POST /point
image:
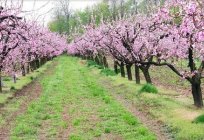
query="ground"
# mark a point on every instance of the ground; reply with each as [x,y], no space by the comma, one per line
[75,102]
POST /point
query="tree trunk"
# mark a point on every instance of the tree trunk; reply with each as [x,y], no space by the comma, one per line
[137,74]
[196,91]
[23,70]
[145,71]
[37,63]
[105,62]
[116,67]
[33,65]
[28,68]
[100,58]
[122,69]
[43,60]
[97,60]
[129,72]
[0,82]
[14,78]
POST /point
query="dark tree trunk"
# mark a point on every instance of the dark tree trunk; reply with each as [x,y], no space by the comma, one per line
[129,72]
[48,58]
[116,66]
[91,57]
[37,63]
[23,70]
[105,62]
[122,69]
[28,68]
[33,66]
[145,71]
[0,82]
[137,74]
[100,58]
[41,62]
[14,78]
[97,60]
[196,91]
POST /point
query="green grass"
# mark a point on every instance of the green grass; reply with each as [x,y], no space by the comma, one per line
[10,87]
[148,88]
[108,72]
[91,63]
[176,112]
[92,112]
[82,100]
[199,119]
[13,105]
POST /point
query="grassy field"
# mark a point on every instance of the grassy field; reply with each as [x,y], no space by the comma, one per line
[73,105]
[10,87]
[76,102]
[174,110]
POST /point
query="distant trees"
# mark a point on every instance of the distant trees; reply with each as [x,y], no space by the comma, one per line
[68,21]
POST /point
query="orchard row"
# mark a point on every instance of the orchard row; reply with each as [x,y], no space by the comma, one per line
[173,34]
[24,45]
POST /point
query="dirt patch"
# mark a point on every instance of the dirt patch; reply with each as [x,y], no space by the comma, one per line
[109,137]
[187,115]
[30,92]
[153,125]
[65,132]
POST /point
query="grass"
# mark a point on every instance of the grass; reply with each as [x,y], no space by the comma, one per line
[73,98]
[175,111]
[10,87]
[148,88]
[108,72]
[199,119]
[80,101]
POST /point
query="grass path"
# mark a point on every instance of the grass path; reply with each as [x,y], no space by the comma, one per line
[73,105]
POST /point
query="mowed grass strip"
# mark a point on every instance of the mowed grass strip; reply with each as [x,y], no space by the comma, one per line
[91,112]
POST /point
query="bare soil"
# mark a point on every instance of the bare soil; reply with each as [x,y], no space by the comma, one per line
[30,92]
[157,127]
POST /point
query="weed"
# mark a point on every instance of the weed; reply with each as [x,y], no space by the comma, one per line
[108,72]
[130,119]
[149,88]
[199,119]
[76,122]
[91,63]
[107,99]
[107,130]
[31,78]
[12,88]
[74,137]
[7,79]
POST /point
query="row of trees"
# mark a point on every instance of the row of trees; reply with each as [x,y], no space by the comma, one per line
[24,46]
[172,35]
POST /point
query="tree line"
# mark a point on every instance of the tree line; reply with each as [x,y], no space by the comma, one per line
[172,34]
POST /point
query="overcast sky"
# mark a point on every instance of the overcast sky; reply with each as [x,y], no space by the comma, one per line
[43,9]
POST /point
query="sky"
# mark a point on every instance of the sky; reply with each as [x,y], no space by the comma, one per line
[43,10]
